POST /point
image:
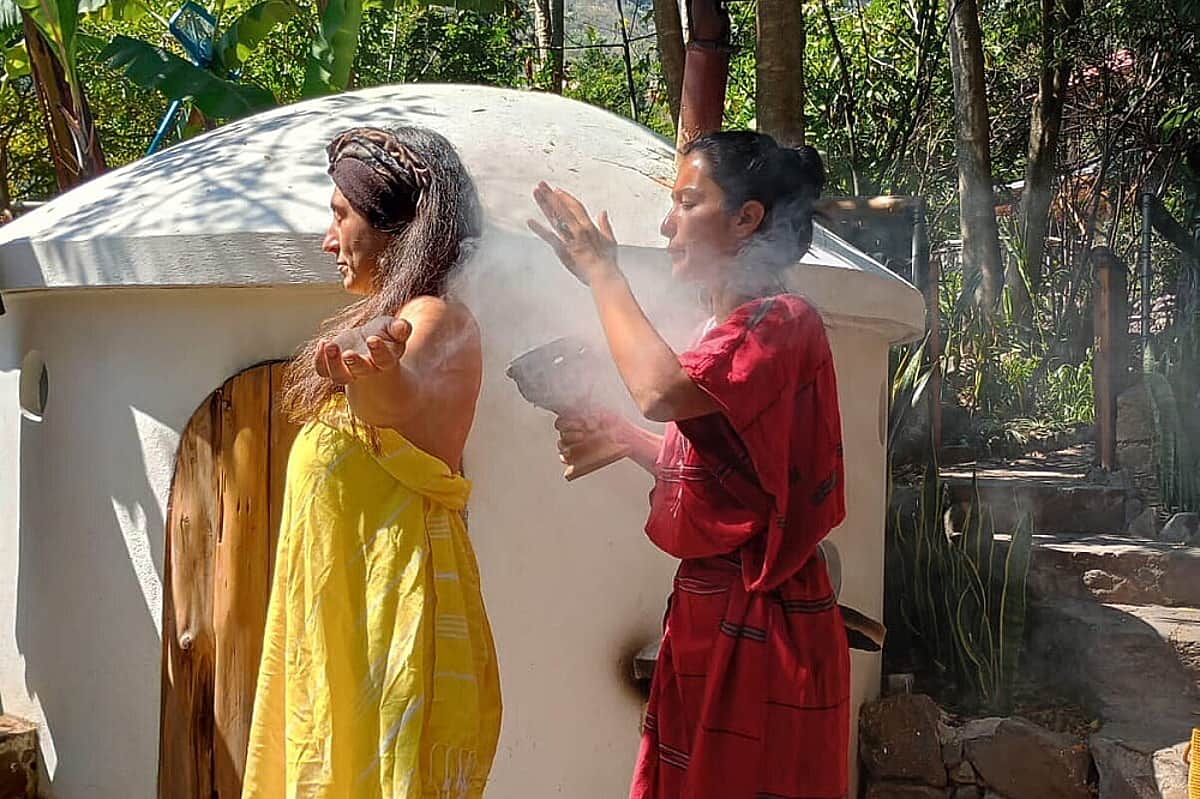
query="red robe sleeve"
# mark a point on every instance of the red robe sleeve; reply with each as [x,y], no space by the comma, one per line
[775,448]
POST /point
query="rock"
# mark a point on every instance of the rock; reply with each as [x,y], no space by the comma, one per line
[1145,525]
[1124,772]
[964,774]
[1101,583]
[965,792]
[898,739]
[1170,772]
[952,754]
[1133,508]
[1182,528]
[18,758]
[1052,766]
[903,790]
[1112,568]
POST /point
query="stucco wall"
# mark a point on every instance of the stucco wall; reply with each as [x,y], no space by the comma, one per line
[80,647]
[572,586]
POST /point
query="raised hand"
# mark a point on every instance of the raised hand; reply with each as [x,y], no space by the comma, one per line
[585,249]
[368,350]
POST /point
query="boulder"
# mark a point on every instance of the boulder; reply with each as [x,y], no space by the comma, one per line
[1145,524]
[898,740]
[1051,765]
[1124,772]
[964,774]
[1182,528]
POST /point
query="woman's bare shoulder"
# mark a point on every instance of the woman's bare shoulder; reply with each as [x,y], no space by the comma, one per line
[439,311]
[448,322]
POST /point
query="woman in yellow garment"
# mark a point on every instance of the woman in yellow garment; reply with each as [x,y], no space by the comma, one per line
[378,677]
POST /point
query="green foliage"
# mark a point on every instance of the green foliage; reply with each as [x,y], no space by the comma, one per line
[1176,464]
[333,48]
[10,17]
[597,76]
[961,597]
[155,68]
[910,372]
[241,38]
[436,45]
[16,61]
[1017,386]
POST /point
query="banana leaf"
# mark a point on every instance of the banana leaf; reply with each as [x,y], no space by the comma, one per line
[246,32]
[333,48]
[154,68]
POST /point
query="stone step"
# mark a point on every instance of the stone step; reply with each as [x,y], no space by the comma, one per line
[1056,503]
[1114,569]
[1137,668]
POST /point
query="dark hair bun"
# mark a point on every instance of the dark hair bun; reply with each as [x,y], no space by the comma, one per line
[787,181]
[800,173]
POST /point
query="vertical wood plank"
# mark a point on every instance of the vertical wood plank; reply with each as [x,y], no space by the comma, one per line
[185,762]
[283,433]
[241,582]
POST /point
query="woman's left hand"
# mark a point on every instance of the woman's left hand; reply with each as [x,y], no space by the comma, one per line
[589,251]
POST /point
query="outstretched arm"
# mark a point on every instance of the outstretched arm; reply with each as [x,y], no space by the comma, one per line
[648,366]
[406,365]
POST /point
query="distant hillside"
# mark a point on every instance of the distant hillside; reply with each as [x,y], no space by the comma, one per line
[602,15]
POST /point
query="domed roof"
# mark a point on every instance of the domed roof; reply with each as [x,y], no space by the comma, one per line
[246,204]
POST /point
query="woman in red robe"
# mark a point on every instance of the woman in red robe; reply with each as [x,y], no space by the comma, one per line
[750,697]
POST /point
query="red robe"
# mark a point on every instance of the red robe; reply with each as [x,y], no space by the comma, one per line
[751,694]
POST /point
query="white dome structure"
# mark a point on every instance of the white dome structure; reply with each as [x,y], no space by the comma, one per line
[133,298]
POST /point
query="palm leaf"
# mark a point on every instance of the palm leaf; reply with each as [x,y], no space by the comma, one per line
[154,68]
[239,40]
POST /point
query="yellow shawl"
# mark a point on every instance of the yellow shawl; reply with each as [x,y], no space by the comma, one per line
[378,675]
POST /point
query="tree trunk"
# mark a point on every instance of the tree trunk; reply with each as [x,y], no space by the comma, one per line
[6,212]
[779,55]
[542,30]
[977,209]
[1045,122]
[557,40]
[70,133]
[668,32]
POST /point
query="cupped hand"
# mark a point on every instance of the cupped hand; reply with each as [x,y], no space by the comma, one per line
[588,250]
[383,351]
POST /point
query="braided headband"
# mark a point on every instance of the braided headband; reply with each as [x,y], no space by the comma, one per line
[381,178]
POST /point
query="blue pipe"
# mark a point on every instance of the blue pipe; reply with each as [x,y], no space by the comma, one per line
[167,119]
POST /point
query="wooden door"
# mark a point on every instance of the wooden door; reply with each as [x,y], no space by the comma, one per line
[222,526]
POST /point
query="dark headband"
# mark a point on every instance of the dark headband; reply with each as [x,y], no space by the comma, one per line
[379,176]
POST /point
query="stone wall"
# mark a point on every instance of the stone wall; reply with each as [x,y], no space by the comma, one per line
[911,749]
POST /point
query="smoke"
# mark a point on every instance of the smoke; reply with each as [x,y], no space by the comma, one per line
[523,297]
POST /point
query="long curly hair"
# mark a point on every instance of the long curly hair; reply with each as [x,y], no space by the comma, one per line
[420,260]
